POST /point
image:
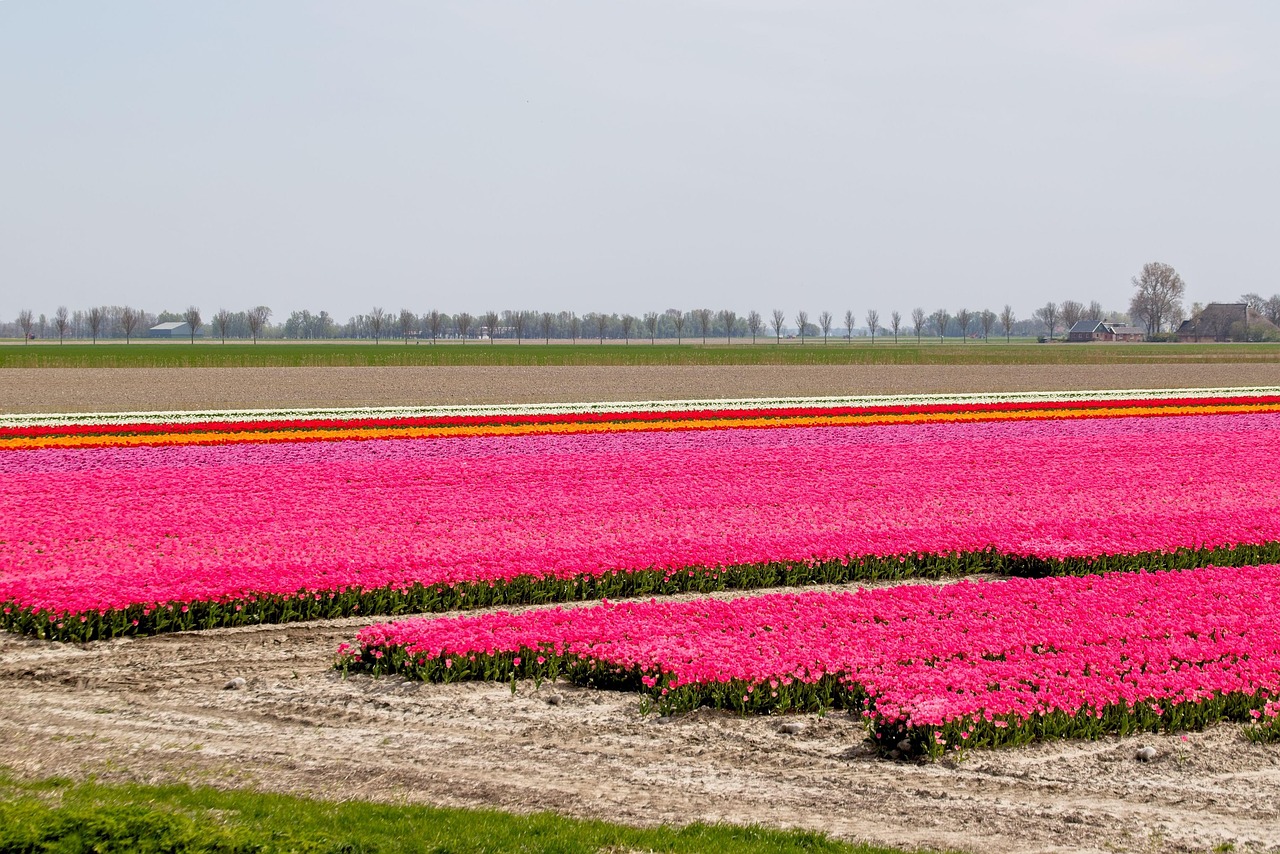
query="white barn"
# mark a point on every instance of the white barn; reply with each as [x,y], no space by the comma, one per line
[178,329]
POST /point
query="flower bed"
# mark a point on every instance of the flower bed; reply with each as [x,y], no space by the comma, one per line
[102,541]
[933,668]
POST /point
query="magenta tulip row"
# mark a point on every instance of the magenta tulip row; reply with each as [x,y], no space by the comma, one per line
[95,531]
[932,667]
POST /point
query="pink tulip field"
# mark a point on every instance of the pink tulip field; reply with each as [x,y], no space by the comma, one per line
[932,668]
[103,540]
[1127,546]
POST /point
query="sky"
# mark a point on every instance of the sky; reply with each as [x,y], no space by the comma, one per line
[633,156]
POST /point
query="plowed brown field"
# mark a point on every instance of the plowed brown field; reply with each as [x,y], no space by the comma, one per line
[128,389]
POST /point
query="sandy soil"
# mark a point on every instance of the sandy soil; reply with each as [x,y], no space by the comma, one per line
[127,389]
[156,709]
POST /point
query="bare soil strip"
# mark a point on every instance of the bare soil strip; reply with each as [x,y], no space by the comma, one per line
[133,389]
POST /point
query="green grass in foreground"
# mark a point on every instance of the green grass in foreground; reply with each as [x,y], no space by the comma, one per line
[58,816]
[288,354]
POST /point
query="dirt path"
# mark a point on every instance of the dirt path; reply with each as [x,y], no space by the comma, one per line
[126,389]
[155,709]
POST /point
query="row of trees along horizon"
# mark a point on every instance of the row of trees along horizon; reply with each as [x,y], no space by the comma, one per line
[1156,306]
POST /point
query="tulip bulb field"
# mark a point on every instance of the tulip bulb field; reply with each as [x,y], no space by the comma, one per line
[139,524]
[1127,548]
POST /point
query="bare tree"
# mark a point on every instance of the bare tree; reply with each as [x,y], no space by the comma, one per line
[802,321]
[918,321]
[778,319]
[755,323]
[702,316]
[435,323]
[986,320]
[1094,311]
[575,326]
[730,320]
[939,319]
[518,321]
[258,317]
[221,323]
[1071,313]
[1254,303]
[651,323]
[375,320]
[25,321]
[873,322]
[824,320]
[627,323]
[129,319]
[463,321]
[194,321]
[849,322]
[1159,295]
[491,325]
[94,319]
[964,319]
[1048,315]
[547,319]
[1007,319]
[677,320]
[408,322]
[61,320]
[602,323]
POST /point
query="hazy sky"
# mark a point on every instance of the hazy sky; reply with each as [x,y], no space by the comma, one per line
[633,156]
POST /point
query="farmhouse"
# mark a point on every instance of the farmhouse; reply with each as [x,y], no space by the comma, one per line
[1101,330]
[1221,321]
[170,330]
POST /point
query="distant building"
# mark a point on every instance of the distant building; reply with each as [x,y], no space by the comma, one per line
[1102,330]
[1088,330]
[1226,321]
[1126,332]
[179,329]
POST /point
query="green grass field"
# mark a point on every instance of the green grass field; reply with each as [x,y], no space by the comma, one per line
[57,816]
[239,354]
